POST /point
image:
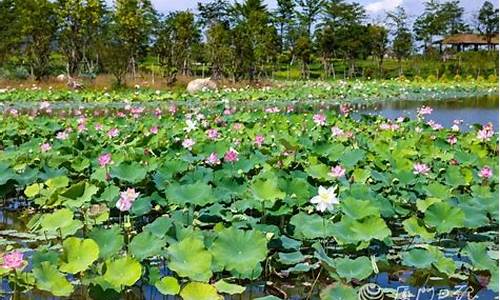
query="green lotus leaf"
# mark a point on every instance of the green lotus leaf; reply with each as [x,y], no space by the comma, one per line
[78,254]
[418,258]
[129,172]
[145,245]
[372,227]
[60,222]
[229,288]
[475,217]
[240,252]
[291,258]
[78,194]
[266,190]
[413,228]
[310,226]
[57,182]
[359,209]
[351,157]
[199,194]
[6,174]
[110,241]
[422,205]
[338,293]
[289,244]
[199,291]
[478,255]
[49,279]
[33,190]
[123,271]
[444,217]
[189,258]
[442,264]
[493,285]
[168,286]
[159,227]
[359,268]
[437,190]
[318,171]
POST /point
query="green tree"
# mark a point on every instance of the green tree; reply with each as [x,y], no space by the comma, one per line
[218,49]
[80,24]
[346,22]
[488,20]
[378,37]
[10,28]
[308,12]
[284,18]
[402,43]
[134,22]
[37,30]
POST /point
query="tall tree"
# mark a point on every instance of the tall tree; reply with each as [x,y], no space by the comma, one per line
[80,24]
[284,17]
[402,42]
[38,28]
[488,20]
[346,21]
[134,20]
[10,27]
[308,12]
[378,38]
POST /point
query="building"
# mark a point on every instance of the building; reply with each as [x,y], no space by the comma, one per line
[468,41]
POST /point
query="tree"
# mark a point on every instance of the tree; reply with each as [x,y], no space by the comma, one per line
[37,31]
[346,22]
[216,11]
[134,21]
[488,20]
[402,42]
[308,13]
[255,39]
[218,48]
[284,17]
[80,23]
[302,50]
[10,27]
[378,40]
[439,19]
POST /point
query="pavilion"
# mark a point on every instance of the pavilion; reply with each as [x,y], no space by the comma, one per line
[466,41]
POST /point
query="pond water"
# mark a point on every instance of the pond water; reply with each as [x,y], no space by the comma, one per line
[471,110]
[475,110]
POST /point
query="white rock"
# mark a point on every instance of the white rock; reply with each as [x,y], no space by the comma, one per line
[198,85]
[61,78]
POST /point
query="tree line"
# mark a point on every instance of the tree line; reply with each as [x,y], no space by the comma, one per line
[237,40]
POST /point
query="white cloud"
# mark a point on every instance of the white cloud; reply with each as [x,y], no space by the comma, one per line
[382,5]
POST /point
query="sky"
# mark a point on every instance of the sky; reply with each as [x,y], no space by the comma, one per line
[375,8]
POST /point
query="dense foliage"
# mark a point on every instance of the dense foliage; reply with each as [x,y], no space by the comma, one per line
[241,40]
[201,201]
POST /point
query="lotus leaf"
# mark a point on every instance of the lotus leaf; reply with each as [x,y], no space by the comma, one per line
[199,291]
[189,258]
[78,254]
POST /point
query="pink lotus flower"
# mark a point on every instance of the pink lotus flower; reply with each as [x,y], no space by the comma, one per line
[13,260]
[238,126]
[231,155]
[98,127]
[213,134]
[434,125]
[272,110]
[229,111]
[44,105]
[419,168]
[452,139]
[337,131]
[188,144]
[319,119]
[104,159]
[172,109]
[45,147]
[154,130]
[485,173]
[81,127]
[345,109]
[259,140]
[212,159]
[424,110]
[157,112]
[337,172]
[62,135]
[486,133]
[126,200]
[113,132]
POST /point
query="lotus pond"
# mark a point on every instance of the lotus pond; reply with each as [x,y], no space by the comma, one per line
[226,200]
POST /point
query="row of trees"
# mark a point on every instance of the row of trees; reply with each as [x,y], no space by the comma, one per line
[236,39]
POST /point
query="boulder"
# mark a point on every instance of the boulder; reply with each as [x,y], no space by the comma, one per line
[61,77]
[198,85]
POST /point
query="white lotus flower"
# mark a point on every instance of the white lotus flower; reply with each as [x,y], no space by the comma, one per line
[325,199]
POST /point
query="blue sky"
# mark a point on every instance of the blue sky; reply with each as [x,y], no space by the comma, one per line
[374,7]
